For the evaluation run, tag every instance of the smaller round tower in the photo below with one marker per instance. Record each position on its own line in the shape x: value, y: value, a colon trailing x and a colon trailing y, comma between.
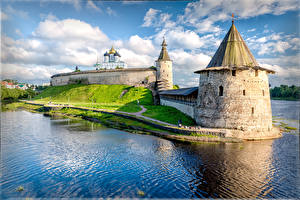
x: 164, y: 74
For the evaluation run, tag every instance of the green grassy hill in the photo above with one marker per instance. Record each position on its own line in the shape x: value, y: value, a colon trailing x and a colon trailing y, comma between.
x: 112, y: 97
x: 103, y: 94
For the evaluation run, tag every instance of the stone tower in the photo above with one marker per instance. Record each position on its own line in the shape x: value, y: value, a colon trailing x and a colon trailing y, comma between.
x: 234, y: 89
x: 164, y: 74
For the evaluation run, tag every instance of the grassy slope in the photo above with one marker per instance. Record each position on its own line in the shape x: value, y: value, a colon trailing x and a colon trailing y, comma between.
x: 98, y: 96
x: 96, y: 93
x: 168, y: 114
x: 109, y: 97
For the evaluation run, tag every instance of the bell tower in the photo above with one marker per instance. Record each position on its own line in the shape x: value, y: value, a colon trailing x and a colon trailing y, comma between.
x: 164, y: 74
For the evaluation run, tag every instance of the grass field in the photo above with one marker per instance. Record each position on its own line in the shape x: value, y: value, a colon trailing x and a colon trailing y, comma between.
x: 112, y: 97
x: 112, y: 94
x: 168, y: 114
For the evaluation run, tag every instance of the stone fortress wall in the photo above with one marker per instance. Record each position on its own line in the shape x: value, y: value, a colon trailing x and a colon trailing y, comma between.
x: 145, y: 77
x: 186, y: 108
x: 235, y: 100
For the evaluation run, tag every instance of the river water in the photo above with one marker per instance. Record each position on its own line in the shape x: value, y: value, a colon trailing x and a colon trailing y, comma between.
x: 54, y: 157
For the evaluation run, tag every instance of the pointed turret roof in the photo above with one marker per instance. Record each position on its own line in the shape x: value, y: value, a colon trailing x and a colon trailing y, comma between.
x: 233, y: 53
x: 164, y: 56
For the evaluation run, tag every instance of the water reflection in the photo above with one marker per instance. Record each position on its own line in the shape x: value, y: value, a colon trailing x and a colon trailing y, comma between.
x: 57, y: 157
x: 232, y: 170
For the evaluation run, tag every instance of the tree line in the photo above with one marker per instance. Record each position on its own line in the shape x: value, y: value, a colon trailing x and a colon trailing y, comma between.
x: 285, y: 92
x: 14, y: 94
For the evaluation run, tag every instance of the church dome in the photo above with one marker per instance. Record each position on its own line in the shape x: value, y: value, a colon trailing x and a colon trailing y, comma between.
x: 117, y: 54
x: 112, y: 50
x: 106, y: 54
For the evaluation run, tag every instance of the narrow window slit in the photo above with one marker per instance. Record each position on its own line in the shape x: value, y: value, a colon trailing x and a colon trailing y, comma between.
x: 233, y: 72
x: 221, y: 90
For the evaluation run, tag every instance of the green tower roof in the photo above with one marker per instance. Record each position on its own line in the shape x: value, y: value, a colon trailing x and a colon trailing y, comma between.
x: 233, y: 53
x: 164, y: 56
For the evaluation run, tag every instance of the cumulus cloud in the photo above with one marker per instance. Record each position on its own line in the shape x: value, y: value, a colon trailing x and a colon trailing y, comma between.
x: 212, y: 11
x: 286, y: 68
x: 150, y: 17
x: 69, y: 29
x: 30, y: 72
x: 136, y: 60
x: 273, y: 44
x: 141, y: 46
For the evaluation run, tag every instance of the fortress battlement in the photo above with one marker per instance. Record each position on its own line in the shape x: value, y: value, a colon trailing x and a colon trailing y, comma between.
x: 104, y: 71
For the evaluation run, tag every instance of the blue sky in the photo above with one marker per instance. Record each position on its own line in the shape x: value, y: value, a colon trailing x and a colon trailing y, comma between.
x: 42, y: 38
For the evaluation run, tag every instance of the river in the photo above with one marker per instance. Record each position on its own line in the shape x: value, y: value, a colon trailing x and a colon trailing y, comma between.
x: 52, y: 157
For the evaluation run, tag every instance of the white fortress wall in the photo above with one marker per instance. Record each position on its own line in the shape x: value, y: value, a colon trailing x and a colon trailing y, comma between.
x: 186, y: 108
x: 133, y: 76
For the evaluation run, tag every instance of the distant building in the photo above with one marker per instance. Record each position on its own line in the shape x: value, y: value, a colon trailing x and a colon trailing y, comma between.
x: 114, y: 71
x: 46, y: 84
x: 21, y: 86
x: 111, y: 60
x: 8, y: 85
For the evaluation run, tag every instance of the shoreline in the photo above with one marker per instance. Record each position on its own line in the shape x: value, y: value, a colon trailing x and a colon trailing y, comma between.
x: 168, y: 132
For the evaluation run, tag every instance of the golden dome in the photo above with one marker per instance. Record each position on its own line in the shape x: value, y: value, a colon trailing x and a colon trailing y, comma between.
x: 112, y: 50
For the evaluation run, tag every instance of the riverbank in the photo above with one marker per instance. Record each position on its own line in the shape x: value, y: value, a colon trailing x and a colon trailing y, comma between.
x: 285, y: 98
x: 193, y: 134
x: 134, y: 124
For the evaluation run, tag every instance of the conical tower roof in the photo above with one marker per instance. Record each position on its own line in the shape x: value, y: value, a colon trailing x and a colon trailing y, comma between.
x: 233, y: 52
x: 164, y: 56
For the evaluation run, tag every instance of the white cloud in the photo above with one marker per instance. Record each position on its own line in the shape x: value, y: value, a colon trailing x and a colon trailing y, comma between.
x: 92, y: 5
x: 287, y: 69
x: 211, y: 11
x: 68, y: 42
x: 136, y: 60
x: 185, y: 62
x: 141, y: 46
x: 252, y: 30
x: 150, y: 17
x: 31, y: 73
x: 184, y: 39
x: 69, y: 29
x: 273, y: 44
x: 12, y: 11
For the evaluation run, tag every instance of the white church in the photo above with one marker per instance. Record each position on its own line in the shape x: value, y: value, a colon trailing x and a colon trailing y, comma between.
x: 111, y: 60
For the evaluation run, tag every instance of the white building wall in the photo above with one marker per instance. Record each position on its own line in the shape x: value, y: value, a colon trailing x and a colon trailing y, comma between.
x: 186, y: 109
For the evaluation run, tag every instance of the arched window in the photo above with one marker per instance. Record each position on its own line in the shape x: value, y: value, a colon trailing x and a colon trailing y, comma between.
x: 244, y: 92
x: 233, y: 72
x: 207, y: 73
x: 221, y: 90
x: 263, y: 92
x: 252, y: 110
x: 256, y: 72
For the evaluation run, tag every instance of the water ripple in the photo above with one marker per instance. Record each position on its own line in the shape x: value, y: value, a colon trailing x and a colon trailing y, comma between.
x: 57, y: 158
